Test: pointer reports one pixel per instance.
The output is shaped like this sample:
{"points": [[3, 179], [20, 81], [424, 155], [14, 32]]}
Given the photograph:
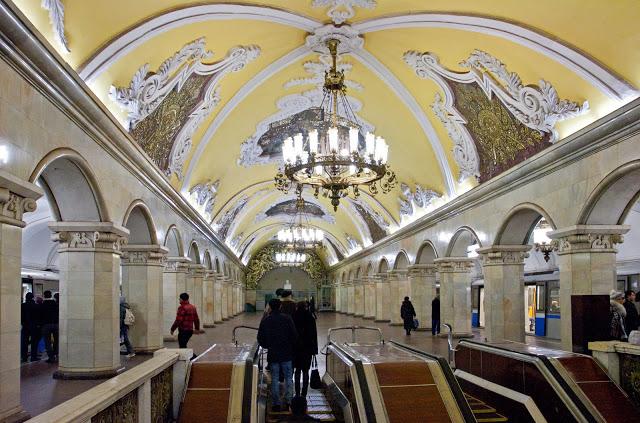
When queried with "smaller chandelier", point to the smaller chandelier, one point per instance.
{"points": [[335, 157], [290, 258], [541, 241], [300, 234]]}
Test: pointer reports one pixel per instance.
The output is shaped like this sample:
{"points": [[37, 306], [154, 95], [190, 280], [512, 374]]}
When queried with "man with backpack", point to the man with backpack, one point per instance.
{"points": [[126, 319]]}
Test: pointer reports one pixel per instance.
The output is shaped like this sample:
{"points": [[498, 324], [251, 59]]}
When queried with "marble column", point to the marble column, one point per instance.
{"points": [[194, 287], [142, 267], [217, 298], [397, 287], [369, 298], [208, 318], [338, 305], [174, 283], [422, 278], [16, 198], [89, 323], [230, 298], [351, 294], [455, 293], [359, 298], [587, 262], [503, 270], [383, 301], [225, 298]]}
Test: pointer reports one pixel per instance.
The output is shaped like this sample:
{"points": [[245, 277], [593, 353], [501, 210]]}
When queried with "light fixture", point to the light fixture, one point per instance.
{"points": [[541, 242], [299, 235], [336, 155], [290, 258]]}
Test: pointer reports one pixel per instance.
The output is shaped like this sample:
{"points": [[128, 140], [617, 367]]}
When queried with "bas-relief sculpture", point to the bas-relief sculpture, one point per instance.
{"points": [[422, 198], [204, 195], [494, 120]]}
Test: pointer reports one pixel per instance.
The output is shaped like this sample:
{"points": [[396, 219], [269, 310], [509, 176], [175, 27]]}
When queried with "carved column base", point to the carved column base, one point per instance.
{"points": [[15, 415], [87, 375]]}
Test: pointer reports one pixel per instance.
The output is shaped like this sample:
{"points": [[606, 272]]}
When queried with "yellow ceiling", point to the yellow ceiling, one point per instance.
{"points": [[604, 31]]}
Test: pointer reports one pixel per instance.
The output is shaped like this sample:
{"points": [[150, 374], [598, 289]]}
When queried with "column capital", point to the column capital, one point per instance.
{"points": [[89, 236], [588, 238], [16, 198], [209, 274], [177, 265], [197, 269], [498, 255], [382, 277], [454, 264], [144, 255], [422, 270]]}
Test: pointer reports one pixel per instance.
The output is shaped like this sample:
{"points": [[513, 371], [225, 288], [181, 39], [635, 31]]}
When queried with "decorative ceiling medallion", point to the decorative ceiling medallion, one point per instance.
{"points": [[265, 145], [409, 201], [56, 18], [287, 208], [342, 10], [349, 38], [536, 107], [203, 197], [167, 136]]}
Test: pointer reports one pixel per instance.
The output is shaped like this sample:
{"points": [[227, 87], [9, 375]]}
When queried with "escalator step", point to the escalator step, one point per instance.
{"points": [[498, 418], [482, 409]]}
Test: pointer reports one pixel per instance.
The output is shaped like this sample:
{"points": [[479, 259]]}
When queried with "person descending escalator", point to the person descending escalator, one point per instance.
{"points": [[306, 347], [407, 313]]}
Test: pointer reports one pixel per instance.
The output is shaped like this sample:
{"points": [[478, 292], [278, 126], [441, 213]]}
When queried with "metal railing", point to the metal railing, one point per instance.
{"points": [[353, 330], [233, 335], [451, 350]]}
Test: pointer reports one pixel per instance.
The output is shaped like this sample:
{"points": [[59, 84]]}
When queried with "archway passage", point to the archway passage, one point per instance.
{"points": [[426, 254], [293, 278]]}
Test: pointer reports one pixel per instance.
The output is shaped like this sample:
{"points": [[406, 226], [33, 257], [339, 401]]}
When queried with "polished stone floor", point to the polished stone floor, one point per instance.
{"points": [[41, 392]]}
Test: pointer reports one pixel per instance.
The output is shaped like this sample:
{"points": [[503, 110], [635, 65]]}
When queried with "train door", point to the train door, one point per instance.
{"points": [[529, 309]]}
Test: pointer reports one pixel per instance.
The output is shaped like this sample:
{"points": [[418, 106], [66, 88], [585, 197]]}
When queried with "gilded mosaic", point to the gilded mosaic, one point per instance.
{"points": [[376, 231], [125, 410], [162, 397], [501, 140], [157, 132], [265, 260]]}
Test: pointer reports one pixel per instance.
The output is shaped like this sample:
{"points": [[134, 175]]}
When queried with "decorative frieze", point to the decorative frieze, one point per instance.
{"points": [[89, 236], [177, 265], [144, 255], [422, 270], [499, 255], [588, 238], [454, 264], [342, 10]]}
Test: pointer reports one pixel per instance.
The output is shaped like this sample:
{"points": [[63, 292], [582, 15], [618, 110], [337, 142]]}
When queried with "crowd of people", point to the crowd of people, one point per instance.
{"points": [[623, 315], [39, 319]]}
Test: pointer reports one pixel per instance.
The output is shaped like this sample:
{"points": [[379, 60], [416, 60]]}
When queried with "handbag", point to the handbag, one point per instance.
{"points": [[416, 324], [315, 382]]}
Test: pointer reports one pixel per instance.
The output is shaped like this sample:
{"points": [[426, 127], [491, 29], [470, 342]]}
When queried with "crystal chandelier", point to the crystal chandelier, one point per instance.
{"points": [[299, 235], [335, 155], [290, 258]]}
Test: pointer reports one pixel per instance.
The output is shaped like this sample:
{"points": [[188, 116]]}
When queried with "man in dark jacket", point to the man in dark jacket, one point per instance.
{"points": [[407, 313], [30, 318], [631, 320], [287, 305], [50, 326], [278, 335], [435, 315]]}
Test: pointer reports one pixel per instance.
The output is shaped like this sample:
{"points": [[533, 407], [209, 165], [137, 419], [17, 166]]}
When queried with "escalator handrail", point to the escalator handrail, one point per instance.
{"points": [[456, 390], [547, 367], [247, 391], [233, 334], [362, 382], [353, 332]]}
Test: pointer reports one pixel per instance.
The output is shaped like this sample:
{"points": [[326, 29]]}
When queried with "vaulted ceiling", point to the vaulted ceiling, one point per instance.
{"points": [[217, 73]]}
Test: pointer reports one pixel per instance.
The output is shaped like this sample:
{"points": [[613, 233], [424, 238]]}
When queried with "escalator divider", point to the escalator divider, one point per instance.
{"points": [[248, 388]]}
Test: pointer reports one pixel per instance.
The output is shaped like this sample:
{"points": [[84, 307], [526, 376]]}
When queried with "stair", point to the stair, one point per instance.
{"points": [[317, 407], [483, 412]]}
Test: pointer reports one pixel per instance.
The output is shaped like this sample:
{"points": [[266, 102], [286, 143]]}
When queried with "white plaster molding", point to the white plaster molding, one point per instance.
{"points": [[350, 39], [410, 102], [203, 197], [342, 10], [147, 91], [130, 39], [538, 108], [56, 18], [607, 81], [353, 244]]}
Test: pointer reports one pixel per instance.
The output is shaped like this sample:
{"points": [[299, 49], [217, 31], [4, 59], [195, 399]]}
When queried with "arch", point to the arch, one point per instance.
{"points": [[610, 202], [142, 229], [461, 239], [427, 253], [71, 187], [173, 241], [194, 252], [401, 262], [517, 227], [358, 270], [383, 266], [369, 269], [208, 264], [350, 277], [217, 265]]}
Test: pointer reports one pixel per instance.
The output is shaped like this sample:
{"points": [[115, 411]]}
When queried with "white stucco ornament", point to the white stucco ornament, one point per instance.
{"points": [[410, 202], [350, 39], [204, 196], [342, 10], [56, 18]]}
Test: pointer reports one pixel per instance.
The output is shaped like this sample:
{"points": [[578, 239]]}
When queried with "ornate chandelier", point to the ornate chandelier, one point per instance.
{"points": [[335, 156], [290, 258], [299, 235]]}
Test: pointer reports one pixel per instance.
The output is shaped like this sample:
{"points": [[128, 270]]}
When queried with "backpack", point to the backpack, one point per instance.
{"points": [[129, 317]]}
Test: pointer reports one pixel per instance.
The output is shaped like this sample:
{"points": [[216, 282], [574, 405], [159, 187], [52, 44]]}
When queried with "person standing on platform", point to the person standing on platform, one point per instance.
{"points": [[306, 347], [288, 306], [125, 321], [277, 333], [312, 307], [407, 313], [435, 316], [186, 320], [30, 318], [617, 314], [50, 326], [631, 321]]}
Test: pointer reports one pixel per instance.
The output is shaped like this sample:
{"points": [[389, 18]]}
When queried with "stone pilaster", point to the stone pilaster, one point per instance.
{"points": [[230, 298], [338, 292], [398, 285], [208, 318], [383, 300], [455, 293], [16, 197], [359, 298], [89, 325], [587, 262], [225, 298], [217, 298], [194, 287], [422, 278], [503, 270], [142, 267], [174, 283], [369, 298], [351, 295]]}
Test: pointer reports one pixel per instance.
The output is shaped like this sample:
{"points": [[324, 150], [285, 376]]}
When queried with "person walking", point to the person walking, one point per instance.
{"points": [[277, 333], [306, 347], [435, 316], [312, 307], [617, 314], [187, 321], [50, 326], [287, 306], [631, 321], [126, 319], [30, 318], [407, 313]]}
